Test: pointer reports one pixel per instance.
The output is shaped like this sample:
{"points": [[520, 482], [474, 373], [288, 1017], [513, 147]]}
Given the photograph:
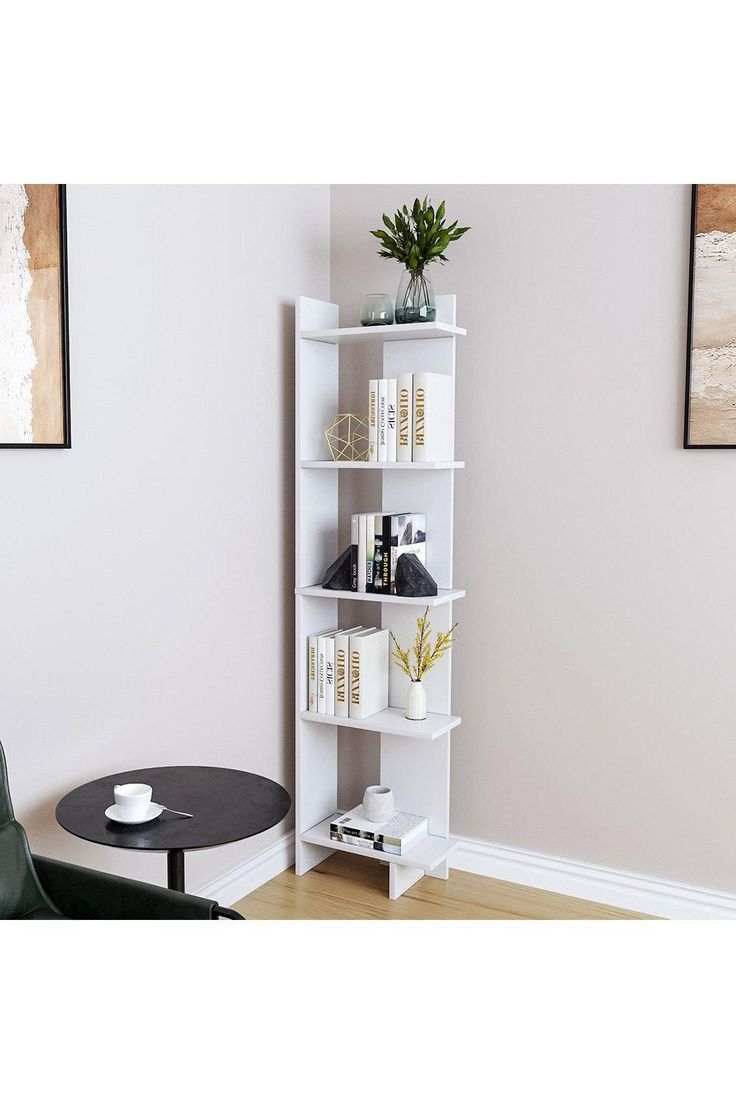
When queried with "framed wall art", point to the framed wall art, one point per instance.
{"points": [[710, 399], [34, 342]]}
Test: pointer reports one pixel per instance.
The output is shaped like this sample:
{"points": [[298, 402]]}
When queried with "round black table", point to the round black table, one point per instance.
{"points": [[228, 805]]}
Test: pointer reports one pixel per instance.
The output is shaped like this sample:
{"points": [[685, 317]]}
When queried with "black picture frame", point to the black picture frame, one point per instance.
{"points": [[66, 443]]}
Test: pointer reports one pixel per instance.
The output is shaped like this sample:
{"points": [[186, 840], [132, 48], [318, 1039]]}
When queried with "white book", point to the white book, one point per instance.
{"points": [[373, 420], [404, 416], [368, 673], [322, 671], [391, 401], [432, 430], [381, 427], [342, 671], [312, 672], [330, 676], [361, 553]]}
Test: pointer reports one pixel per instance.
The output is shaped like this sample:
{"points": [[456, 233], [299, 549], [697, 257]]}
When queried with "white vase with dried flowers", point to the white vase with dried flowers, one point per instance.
{"points": [[422, 658]]}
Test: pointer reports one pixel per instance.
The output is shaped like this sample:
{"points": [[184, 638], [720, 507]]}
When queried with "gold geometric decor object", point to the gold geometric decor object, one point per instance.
{"points": [[347, 437]]}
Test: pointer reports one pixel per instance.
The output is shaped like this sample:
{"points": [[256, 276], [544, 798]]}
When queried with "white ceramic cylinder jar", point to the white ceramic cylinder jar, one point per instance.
{"points": [[416, 702], [378, 804]]}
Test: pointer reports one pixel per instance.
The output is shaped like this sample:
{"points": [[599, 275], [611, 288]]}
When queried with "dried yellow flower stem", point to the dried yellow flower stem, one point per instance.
{"points": [[424, 656]]}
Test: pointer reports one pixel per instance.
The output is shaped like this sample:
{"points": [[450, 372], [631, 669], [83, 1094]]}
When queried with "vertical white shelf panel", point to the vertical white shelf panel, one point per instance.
{"points": [[417, 770], [316, 547]]}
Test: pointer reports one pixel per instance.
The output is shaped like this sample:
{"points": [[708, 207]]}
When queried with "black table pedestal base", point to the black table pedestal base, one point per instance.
{"points": [[175, 870]]}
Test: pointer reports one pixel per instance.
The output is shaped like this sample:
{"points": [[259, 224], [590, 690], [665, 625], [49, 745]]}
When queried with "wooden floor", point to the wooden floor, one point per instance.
{"points": [[347, 887]]}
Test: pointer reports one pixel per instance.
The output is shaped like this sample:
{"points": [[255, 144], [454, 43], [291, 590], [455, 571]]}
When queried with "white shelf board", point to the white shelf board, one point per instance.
{"points": [[426, 853], [414, 331], [442, 596], [385, 465], [391, 721]]}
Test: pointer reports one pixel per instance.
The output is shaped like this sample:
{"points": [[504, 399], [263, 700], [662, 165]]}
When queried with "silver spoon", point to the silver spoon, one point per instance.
{"points": [[178, 812]]}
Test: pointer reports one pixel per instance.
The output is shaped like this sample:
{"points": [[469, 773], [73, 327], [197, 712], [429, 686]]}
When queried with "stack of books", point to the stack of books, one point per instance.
{"points": [[410, 418], [347, 672], [377, 541], [394, 837]]}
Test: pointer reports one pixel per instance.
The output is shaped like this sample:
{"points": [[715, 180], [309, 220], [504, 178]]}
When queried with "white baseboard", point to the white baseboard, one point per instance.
{"points": [[249, 875], [636, 892]]}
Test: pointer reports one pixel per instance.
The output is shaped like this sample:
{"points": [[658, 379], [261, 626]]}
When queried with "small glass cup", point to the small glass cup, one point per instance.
{"points": [[377, 310]]}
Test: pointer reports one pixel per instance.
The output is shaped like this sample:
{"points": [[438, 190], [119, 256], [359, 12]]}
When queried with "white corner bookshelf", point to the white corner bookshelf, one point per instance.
{"points": [[414, 755]]}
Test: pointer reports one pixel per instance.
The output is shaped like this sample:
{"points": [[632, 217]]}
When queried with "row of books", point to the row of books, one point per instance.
{"points": [[410, 417], [347, 672], [394, 837], [377, 541]]}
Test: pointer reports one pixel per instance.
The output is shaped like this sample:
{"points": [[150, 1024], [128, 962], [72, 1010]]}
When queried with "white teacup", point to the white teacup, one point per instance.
{"points": [[132, 800]]}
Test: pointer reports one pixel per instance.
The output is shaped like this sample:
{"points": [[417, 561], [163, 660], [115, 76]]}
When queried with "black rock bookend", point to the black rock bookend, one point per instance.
{"points": [[412, 578], [337, 575]]}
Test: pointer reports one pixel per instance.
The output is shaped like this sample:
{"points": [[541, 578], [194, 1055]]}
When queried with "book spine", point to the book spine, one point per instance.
{"points": [[386, 555], [432, 417], [342, 674], [354, 552], [373, 420], [370, 546], [355, 841], [391, 400], [321, 675], [330, 675], [368, 674], [397, 521], [362, 553], [347, 830], [405, 411], [382, 397], [312, 674], [419, 409], [377, 551]]}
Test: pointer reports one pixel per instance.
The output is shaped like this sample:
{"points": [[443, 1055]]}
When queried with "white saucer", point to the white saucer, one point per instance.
{"points": [[151, 813]]}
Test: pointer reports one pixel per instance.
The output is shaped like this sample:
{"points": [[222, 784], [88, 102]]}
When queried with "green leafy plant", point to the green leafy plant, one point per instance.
{"points": [[423, 656], [418, 237]]}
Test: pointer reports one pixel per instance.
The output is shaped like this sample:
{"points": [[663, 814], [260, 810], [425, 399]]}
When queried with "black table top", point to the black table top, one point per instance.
{"points": [[228, 805]]}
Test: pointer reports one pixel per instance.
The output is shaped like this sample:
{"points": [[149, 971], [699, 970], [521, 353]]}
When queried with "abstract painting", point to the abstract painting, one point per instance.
{"points": [[34, 361], [710, 401]]}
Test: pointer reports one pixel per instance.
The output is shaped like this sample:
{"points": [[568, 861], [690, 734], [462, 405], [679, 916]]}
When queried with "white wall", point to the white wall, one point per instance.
{"points": [[146, 576], [595, 668]]}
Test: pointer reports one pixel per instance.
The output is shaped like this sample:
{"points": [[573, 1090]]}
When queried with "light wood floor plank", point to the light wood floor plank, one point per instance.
{"points": [[346, 887]]}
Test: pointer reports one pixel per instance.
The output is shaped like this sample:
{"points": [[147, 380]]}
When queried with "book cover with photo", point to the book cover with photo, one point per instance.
{"points": [[408, 534]]}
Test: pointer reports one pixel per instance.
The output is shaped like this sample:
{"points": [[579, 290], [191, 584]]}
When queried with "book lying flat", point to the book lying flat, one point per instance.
{"points": [[394, 836]]}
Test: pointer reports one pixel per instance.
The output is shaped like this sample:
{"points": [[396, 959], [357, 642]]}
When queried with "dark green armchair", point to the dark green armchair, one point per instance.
{"points": [[34, 888]]}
